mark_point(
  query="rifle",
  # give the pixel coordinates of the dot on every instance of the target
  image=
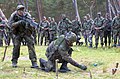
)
(29, 20)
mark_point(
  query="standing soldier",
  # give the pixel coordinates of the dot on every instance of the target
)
(44, 31)
(22, 30)
(90, 29)
(116, 29)
(53, 30)
(60, 49)
(64, 25)
(107, 30)
(76, 29)
(98, 26)
(86, 30)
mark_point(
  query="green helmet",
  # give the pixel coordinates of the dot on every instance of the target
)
(71, 37)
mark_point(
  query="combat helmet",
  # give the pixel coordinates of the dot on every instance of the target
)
(71, 37)
(20, 7)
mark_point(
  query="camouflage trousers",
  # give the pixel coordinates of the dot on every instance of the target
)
(53, 36)
(87, 37)
(30, 44)
(99, 33)
(107, 36)
(46, 35)
(116, 36)
(50, 64)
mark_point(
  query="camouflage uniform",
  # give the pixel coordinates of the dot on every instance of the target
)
(44, 31)
(22, 30)
(76, 29)
(116, 29)
(99, 32)
(53, 30)
(107, 30)
(60, 49)
(64, 26)
(86, 26)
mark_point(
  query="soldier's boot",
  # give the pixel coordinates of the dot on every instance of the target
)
(64, 67)
(41, 43)
(102, 45)
(14, 64)
(96, 45)
(34, 64)
(114, 45)
(45, 43)
(42, 64)
(90, 46)
(105, 44)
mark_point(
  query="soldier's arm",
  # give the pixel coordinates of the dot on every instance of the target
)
(67, 58)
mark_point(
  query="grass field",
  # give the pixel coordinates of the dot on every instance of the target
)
(104, 58)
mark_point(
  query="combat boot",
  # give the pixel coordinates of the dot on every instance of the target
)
(96, 45)
(14, 64)
(90, 46)
(34, 64)
(42, 62)
(43, 65)
(102, 45)
(64, 67)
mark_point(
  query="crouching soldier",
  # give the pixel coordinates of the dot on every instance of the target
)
(60, 49)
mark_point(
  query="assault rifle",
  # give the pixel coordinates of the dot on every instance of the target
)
(29, 20)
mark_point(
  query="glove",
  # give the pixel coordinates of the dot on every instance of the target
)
(22, 22)
(83, 67)
(18, 23)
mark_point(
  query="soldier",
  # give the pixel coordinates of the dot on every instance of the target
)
(44, 31)
(76, 29)
(86, 29)
(107, 30)
(53, 30)
(22, 30)
(98, 26)
(116, 29)
(60, 49)
(64, 25)
(90, 23)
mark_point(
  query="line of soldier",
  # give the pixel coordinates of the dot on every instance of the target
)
(105, 28)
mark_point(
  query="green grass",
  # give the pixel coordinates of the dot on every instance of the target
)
(105, 59)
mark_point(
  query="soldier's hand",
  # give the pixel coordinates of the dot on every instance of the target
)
(22, 22)
(83, 67)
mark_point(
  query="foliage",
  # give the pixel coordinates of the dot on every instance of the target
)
(55, 8)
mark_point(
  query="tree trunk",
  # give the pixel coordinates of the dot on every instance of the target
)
(39, 9)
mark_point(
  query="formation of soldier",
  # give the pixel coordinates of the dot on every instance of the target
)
(58, 36)
(104, 27)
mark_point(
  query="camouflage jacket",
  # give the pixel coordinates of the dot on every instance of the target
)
(98, 22)
(87, 25)
(58, 49)
(44, 25)
(17, 29)
(76, 26)
(53, 26)
(116, 23)
(64, 25)
(108, 24)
